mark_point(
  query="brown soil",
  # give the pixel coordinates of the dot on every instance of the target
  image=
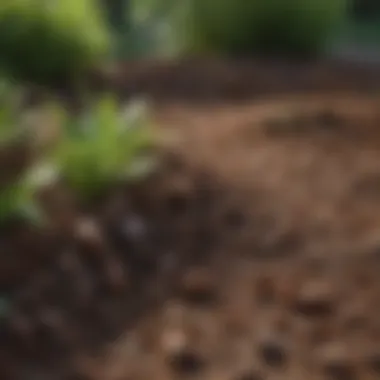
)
(253, 253)
(203, 81)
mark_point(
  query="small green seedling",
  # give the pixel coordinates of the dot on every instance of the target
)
(18, 198)
(103, 146)
(20, 176)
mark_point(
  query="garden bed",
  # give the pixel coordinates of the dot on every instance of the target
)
(252, 252)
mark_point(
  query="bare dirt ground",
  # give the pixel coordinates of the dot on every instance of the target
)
(253, 254)
(292, 290)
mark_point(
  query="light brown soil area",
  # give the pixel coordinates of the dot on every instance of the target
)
(292, 292)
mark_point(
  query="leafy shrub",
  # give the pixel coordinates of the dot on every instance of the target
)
(292, 27)
(44, 41)
(102, 146)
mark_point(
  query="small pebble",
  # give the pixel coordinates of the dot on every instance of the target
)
(336, 363)
(198, 287)
(265, 291)
(51, 318)
(187, 362)
(339, 371)
(115, 275)
(235, 219)
(251, 375)
(315, 299)
(374, 362)
(134, 228)
(273, 352)
(21, 325)
(178, 203)
(173, 341)
(89, 232)
(329, 120)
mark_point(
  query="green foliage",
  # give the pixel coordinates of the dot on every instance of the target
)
(363, 33)
(45, 41)
(145, 32)
(20, 176)
(18, 198)
(11, 127)
(97, 149)
(241, 27)
(117, 12)
(102, 146)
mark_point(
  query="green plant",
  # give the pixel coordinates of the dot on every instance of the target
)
(102, 146)
(10, 115)
(21, 176)
(241, 27)
(18, 197)
(45, 41)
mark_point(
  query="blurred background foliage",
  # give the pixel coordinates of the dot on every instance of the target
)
(273, 27)
(44, 41)
(166, 28)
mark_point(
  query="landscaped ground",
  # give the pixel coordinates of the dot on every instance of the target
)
(253, 253)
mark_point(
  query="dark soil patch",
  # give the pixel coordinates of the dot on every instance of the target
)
(208, 81)
(251, 254)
